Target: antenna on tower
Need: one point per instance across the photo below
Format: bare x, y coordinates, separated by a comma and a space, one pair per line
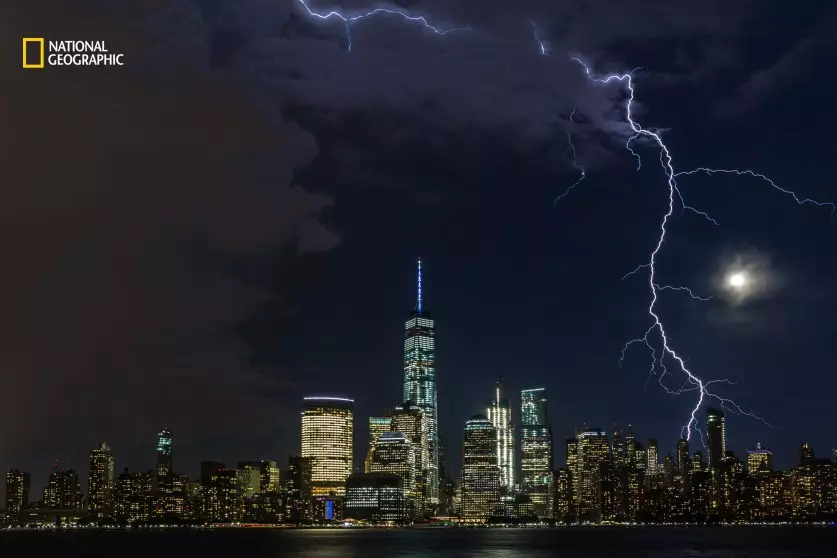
418, 301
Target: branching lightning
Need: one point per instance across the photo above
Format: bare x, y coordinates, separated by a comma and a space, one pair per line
655, 337
348, 20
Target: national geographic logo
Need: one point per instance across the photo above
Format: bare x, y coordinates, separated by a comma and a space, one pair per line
40, 53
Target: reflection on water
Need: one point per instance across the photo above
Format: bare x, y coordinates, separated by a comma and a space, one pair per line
749, 542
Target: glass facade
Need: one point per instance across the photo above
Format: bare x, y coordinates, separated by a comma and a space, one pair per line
480, 474
410, 420
500, 416
164, 458
377, 426
536, 451
100, 482
420, 380
327, 443
375, 497
759, 461
593, 453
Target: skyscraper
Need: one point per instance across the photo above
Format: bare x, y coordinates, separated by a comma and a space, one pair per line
62, 492
480, 473
410, 420
394, 454
759, 461
716, 433
164, 458
500, 416
100, 481
652, 457
536, 451
420, 379
17, 494
377, 426
327, 443
593, 453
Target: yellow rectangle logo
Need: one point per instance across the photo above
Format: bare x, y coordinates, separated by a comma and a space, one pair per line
28, 63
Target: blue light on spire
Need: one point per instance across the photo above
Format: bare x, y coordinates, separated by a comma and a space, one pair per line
418, 302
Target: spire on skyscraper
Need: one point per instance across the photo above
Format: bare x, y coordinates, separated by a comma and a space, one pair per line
418, 300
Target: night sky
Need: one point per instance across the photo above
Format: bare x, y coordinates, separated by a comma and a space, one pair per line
230, 221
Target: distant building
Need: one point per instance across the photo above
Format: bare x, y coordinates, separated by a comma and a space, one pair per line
759, 461
499, 413
683, 465
132, 496
593, 454
420, 380
100, 481
394, 454
250, 478
375, 497
716, 438
295, 490
269, 476
17, 494
377, 426
411, 421
536, 451
652, 455
164, 450
327, 443
480, 473
62, 492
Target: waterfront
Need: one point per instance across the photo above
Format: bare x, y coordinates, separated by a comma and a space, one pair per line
596, 542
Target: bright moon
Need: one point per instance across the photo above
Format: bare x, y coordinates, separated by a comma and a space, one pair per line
737, 280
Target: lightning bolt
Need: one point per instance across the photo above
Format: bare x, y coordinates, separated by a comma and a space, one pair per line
348, 20
655, 337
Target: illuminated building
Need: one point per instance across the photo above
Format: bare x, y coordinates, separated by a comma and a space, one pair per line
652, 457
683, 464
593, 453
62, 492
563, 500
499, 413
295, 489
618, 449
250, 478
716, 438
480, 473
269, 476
133, 494
640, 458
394, 454
327, 443
228, 504
571, 445
700, 495
164, 457
410, 420
375, 497
420, 380
698, 463
536, 451
17, 494
100, 481
772, 498
377, 426
759, 461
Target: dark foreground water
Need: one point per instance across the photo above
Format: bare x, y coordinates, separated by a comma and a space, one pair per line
750, 542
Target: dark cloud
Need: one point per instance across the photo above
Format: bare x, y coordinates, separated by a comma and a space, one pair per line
127, 203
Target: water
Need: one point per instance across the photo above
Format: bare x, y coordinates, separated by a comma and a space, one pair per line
749, 542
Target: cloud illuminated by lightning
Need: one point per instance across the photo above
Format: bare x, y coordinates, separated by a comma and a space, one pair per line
349, 19
656, 333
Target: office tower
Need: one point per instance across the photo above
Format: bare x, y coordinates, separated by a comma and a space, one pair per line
100, 481
618, 449
394, 454
563, 500
295, 489
62, 492
806, 454
133, 494
683, 456
250, 478
759, 461
480, 472
17, 494
209, 469
228, 506
410, 420
377, 426
630, 448
593, 453
420, 379
536, 451
375, 497
571, 445
269, 476
652, 456
499, 413
716, 434
164, 457
327, 443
